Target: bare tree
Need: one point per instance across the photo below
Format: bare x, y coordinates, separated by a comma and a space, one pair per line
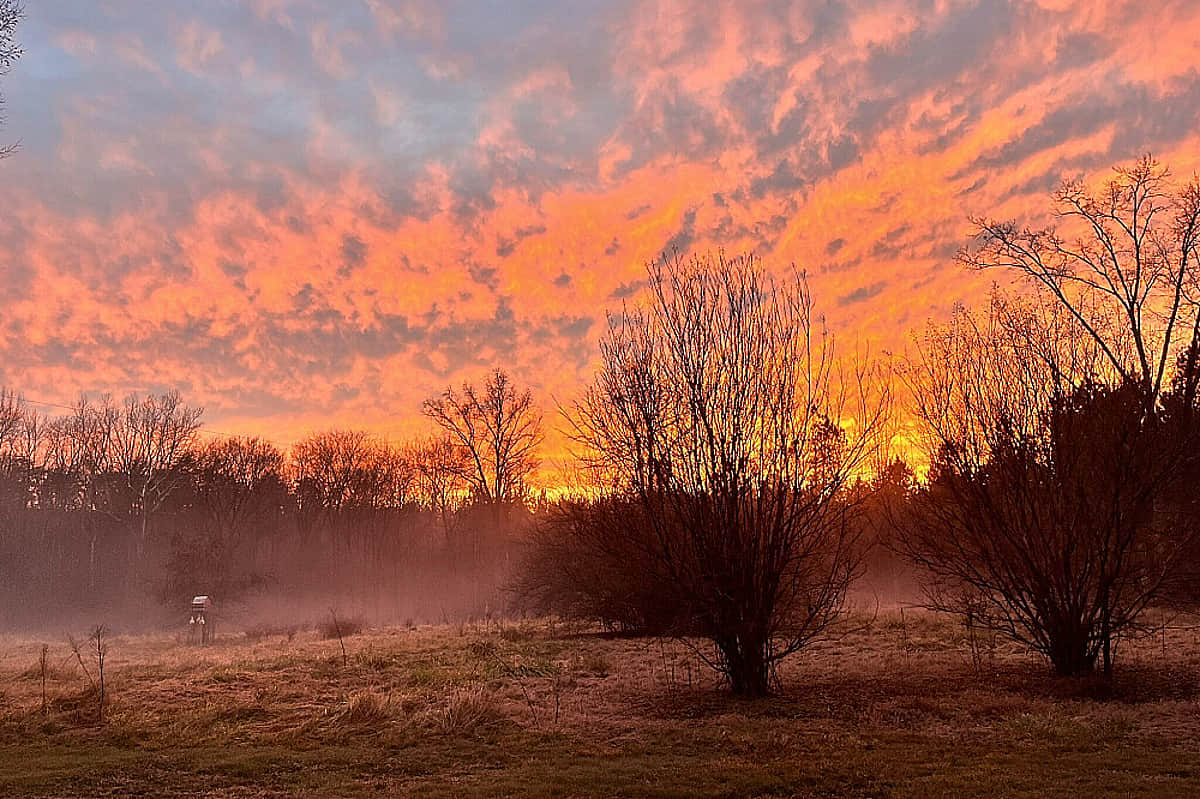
719, 409
152, 438
11, 13
81, 441
22, 439
327, 471
1012, 409
497, 430
20, 447
80, 473
231, 475
238, 491
328, 460
1124, 267
97, 648
12, 414
440, 486
1042, 516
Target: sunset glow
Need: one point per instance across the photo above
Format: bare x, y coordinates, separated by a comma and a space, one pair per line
304, 215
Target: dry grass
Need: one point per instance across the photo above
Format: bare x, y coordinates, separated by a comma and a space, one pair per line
892, 708
469, 710
262, 632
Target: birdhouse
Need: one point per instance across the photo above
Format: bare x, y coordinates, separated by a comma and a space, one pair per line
199, 624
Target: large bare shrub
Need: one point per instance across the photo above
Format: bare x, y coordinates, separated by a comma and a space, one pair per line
1052, 511
1042, 516
719, 412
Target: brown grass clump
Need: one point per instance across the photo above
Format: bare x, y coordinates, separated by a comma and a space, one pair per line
523, 631
595, 663
483, 648
366, 709
469, 710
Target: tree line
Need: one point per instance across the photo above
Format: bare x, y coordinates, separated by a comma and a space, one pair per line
112, 501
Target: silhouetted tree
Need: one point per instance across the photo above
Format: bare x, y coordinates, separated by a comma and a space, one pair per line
22, 543
148, 445
238, 497
111, 498
1120, 308
326, 474
80, 460
1124, 267
1182, 501
884, 498
77, 493
354, 488
440, 487
497, 431
719, 412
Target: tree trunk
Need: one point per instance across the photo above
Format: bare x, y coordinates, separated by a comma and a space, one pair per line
746, 665
1106, 643
1071, 655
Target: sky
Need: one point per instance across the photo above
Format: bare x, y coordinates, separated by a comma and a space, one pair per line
306, 215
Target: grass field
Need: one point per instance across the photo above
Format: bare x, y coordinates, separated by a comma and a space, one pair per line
895, 707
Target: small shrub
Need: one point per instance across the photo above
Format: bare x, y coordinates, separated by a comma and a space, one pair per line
340, 627
592, 561
483, 649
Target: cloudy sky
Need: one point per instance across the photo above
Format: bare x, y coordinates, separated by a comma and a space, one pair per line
304, 213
